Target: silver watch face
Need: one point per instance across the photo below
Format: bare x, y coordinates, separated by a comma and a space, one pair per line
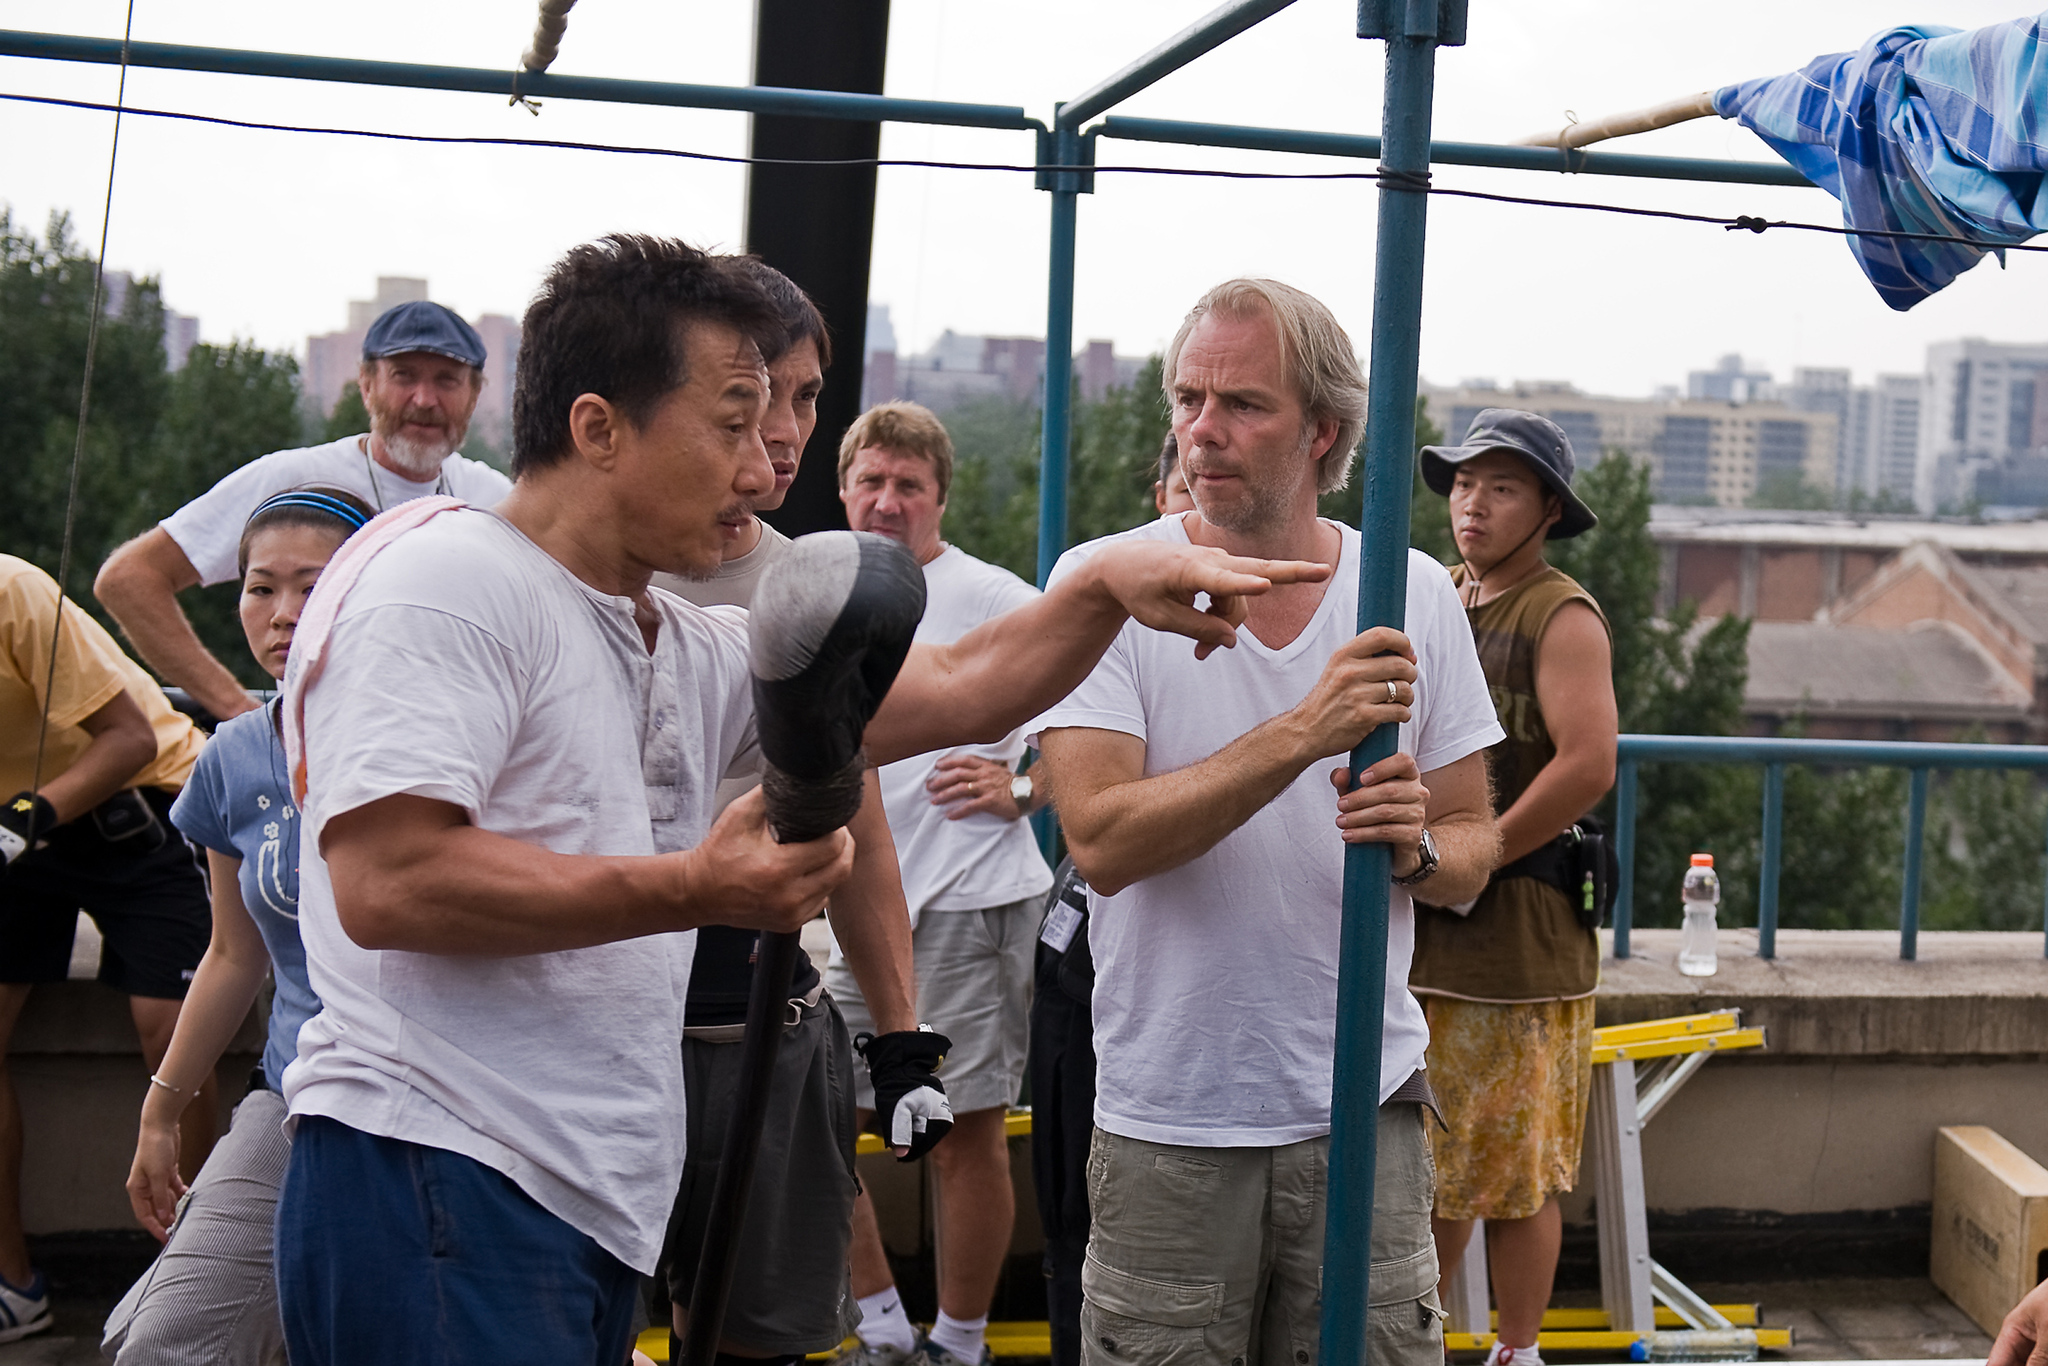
1020, 789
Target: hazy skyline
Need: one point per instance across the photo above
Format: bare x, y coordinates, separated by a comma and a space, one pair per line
267, 235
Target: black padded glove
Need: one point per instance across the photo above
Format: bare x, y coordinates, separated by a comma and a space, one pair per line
24, 821
830, 625
910, 1100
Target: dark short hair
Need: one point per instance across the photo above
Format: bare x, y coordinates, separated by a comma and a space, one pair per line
281, 510
797, 315
1169, 458
610, 319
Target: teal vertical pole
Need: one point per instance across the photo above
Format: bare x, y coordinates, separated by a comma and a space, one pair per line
1057, 423
2044, 907
1625, 854
1767, 878
1909, 891
1411, 32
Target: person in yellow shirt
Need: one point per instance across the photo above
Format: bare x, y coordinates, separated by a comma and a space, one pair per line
87, 827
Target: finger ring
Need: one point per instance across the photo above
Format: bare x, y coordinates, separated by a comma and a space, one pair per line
1393, 693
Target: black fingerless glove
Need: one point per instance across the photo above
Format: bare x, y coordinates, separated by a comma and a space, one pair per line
910, 1100
25, 820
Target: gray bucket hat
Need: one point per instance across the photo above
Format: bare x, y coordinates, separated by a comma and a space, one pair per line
1538, 440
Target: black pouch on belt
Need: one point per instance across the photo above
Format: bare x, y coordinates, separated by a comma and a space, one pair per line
128, 823
1581, 863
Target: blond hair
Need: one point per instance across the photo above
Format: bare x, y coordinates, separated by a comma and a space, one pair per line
906, 428
1315, 354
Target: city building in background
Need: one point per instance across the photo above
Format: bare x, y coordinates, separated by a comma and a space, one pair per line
1728, 382
961, 368
333, 358
1984, 425
181, 331
1708, 451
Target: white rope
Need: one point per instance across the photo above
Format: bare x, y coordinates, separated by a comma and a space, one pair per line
547, 35
1576, 134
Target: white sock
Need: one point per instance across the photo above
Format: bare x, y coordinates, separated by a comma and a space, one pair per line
1502, 1355
883, 1322
964, 1338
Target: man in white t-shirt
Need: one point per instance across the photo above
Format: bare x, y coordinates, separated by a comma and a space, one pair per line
1199, 807
512, 746
975, 884
421, 374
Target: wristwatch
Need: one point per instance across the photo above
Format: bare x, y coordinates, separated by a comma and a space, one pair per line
1020, 791
1428, 865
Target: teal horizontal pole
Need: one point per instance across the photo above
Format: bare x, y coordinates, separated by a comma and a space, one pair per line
749, 99
1367, 146
1735, 749
1206, 34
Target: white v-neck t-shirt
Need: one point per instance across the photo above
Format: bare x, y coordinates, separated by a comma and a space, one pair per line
1216, 982
209, 528
978, 861
469, 667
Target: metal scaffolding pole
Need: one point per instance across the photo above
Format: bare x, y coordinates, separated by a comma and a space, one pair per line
1412, 30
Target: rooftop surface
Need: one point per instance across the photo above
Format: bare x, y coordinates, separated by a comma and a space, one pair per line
1749, 526
1834, 1320
1932, 669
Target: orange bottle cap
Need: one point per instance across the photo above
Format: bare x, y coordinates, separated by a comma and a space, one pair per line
1702, 860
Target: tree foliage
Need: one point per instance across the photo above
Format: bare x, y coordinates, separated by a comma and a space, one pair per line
153, 439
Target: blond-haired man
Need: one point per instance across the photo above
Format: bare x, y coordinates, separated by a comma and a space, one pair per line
1197, 807
975, 884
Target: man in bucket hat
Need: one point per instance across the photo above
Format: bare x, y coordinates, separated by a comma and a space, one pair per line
423, 368
1507, 979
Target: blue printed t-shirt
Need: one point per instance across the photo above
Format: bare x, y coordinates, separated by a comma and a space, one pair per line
238, 802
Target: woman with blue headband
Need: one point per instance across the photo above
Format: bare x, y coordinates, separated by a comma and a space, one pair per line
211, 1295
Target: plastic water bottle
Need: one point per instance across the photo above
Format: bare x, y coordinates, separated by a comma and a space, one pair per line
1701, 897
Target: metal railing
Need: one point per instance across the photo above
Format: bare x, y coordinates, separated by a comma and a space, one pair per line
1918, 759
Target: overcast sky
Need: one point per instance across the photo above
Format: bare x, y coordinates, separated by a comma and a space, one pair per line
267, 235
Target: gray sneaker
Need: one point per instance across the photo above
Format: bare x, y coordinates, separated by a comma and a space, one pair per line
874, 1354
929, 1353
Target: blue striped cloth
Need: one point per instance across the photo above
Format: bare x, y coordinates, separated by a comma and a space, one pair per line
1922, 129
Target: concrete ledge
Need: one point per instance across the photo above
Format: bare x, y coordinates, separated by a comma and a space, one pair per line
1847, 993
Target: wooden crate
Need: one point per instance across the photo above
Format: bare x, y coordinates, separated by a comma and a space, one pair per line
1990, 1222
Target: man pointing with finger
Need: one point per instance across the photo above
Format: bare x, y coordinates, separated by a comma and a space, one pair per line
1198, 806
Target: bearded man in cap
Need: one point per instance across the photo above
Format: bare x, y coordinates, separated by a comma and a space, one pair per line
1507, 979
423, 368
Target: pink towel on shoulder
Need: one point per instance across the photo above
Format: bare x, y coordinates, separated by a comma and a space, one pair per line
316, 623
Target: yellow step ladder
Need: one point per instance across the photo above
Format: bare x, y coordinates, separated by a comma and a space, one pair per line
1632, 1284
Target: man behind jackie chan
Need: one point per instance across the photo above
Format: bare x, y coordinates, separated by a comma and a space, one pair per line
1197, 809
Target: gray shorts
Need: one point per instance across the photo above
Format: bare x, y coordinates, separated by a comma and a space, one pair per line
1215, 1255
973, 986
210, 1298
791, 1291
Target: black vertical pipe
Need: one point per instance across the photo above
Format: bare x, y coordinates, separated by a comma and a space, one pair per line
816, 224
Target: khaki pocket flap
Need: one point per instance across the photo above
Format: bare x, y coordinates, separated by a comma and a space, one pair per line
1409, 1278
1148, 1301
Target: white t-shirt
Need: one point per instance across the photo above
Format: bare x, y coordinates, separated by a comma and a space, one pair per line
209, 528
981, 860
469, 667
1216, 982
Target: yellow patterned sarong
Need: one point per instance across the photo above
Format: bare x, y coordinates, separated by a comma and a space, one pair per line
1513, 1082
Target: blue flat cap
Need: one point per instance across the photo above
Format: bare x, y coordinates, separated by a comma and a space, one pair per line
423, 326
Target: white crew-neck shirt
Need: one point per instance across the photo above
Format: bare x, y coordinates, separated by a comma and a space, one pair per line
469, 667
1216, 982
982, 860
209, 528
